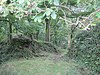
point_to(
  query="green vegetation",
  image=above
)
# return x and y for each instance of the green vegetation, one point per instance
(86, 47)
(40, 66)
(49, 37)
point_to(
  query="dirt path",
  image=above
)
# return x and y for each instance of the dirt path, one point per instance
(59, 57)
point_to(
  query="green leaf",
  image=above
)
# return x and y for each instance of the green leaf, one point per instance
(53, 15)
(21, 1)
(48, 17)
(98, 14)
(6, 12)
(35, 19)
(48, 11)
(38, 19)
(50, 1)
(56, 2)
(78, 1)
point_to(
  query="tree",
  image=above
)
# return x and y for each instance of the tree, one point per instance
(72, 12)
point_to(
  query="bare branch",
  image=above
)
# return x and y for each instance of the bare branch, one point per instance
(65, 7)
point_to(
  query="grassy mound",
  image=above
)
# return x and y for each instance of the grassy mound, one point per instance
(23, 47)
(40, 66)
(86, 47)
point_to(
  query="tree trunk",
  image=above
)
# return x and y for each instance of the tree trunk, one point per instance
(47, 35)
(10, 32)
(37, 34)
(69, 36)
(69, 40)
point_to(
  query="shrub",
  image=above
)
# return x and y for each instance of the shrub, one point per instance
(86, 47)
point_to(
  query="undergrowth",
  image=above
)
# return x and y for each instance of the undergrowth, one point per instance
(86, 47)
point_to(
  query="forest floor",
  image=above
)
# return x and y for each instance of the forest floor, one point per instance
(49, 64)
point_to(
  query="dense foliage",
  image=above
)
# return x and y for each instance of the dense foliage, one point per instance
(86, 47)
(23, 47)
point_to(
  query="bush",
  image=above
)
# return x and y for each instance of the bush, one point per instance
(86, 47)
(22, 47)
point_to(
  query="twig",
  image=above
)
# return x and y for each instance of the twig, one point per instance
(64, 7)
